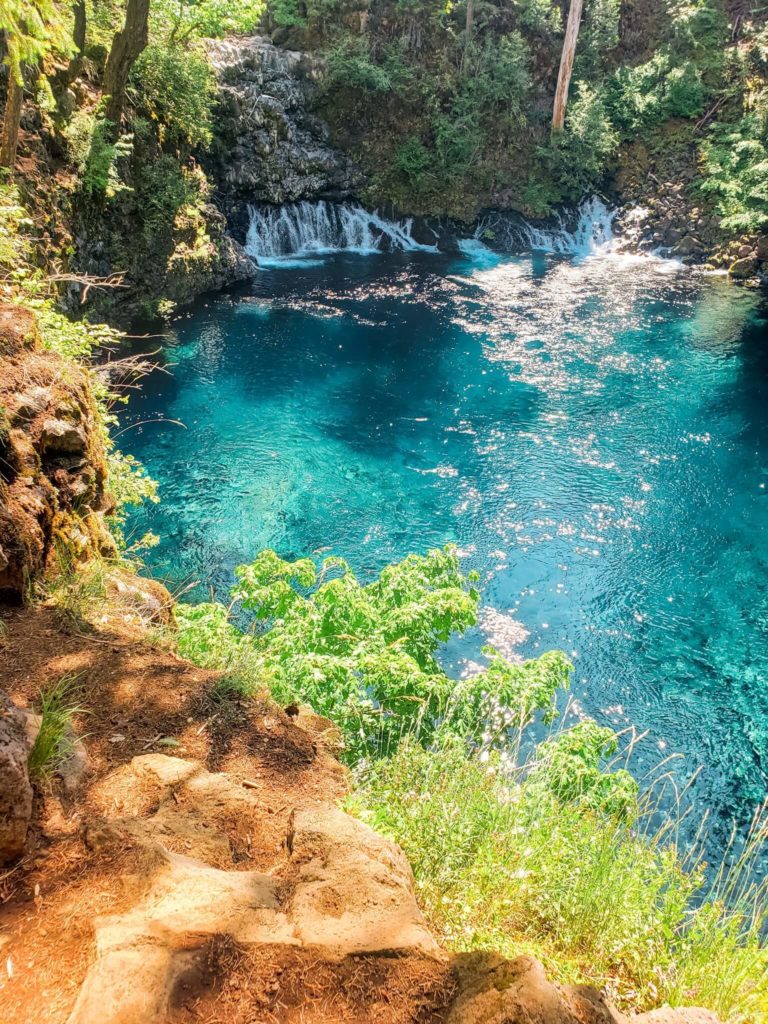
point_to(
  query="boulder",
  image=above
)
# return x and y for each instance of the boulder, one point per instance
(62, 437)
(15, 789)
(743, 268)
(493, 990)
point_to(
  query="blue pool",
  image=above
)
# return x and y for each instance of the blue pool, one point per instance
(591, 432)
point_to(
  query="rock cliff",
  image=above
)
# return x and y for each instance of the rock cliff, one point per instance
(52, 462)
(270, 146)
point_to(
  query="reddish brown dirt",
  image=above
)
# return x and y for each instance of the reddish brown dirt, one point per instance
(227, 985)
(136, 700)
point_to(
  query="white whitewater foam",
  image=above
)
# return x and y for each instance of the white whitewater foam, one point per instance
(589, 233)
(290, 235)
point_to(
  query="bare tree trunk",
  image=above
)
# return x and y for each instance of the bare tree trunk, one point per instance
(470, 20)
(9, 140)
(126, 47)
(566, 64)
(64, 78)
(78, 37)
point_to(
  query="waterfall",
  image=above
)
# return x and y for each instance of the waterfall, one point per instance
(299, 234)
(294, 233)
(585, 231)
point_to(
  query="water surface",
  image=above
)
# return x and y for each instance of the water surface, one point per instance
(593, 433)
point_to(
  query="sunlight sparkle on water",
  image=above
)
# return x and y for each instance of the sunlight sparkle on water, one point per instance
(593, 434)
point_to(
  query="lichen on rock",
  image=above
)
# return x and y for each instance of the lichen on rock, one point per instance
(53, 470)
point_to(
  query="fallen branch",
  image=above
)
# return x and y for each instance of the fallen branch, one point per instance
(88, 281)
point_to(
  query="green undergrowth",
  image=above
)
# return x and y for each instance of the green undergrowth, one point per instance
(518, 843)
(55, 738)
(79, 343)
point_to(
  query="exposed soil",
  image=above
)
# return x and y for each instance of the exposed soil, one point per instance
(136, 700)
(201, 872)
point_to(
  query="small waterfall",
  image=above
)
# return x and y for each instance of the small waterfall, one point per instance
(294, 233)
(583, 232)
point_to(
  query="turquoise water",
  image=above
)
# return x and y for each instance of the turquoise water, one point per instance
(593, 433)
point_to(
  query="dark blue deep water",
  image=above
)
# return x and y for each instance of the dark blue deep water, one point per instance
(593, 433)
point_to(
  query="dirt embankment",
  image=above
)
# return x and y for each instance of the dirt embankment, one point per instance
(201, 870)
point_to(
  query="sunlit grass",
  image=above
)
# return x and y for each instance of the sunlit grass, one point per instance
(55, 739)
(500, 864)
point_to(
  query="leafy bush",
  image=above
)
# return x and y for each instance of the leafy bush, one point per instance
(641, 97)
(414, 160)
(735, 167)
(15, 241)
(542, 16)
(349, 66)
(576, 159)
(179, 21)
(175, 87)
(94, 151)
(288, 13)
(365, 655)
(163, 188)
(565, 864)
(598, 36)
(498, 80)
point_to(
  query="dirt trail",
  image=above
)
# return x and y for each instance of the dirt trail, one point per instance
(202, 871)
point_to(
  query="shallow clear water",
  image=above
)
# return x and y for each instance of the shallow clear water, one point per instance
(593, 433)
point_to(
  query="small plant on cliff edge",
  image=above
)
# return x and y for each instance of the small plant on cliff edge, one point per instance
(557, 857)
(55, 739)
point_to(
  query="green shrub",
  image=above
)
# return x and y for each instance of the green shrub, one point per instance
(414, 160)
(94, 151)
(598, 36)
(497, 81)
(177, 22)
(735, 169)
(174, 86)
(365, 655)
(163, 187)
(542, 16)
(349, 66)
(576, 160)
(567, 865)
(288, 13)
(640, 98)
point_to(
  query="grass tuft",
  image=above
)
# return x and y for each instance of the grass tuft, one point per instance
(55, 739)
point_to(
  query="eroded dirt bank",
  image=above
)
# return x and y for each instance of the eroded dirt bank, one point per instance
(198, 867)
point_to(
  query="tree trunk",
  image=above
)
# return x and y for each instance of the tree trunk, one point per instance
(126, 47)
(63, 79)
(78, 34)
(470, 20)
(10, 135)
(566, 64)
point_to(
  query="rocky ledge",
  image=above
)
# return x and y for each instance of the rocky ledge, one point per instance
(222, 881)
(52, 463)
(270, 146)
